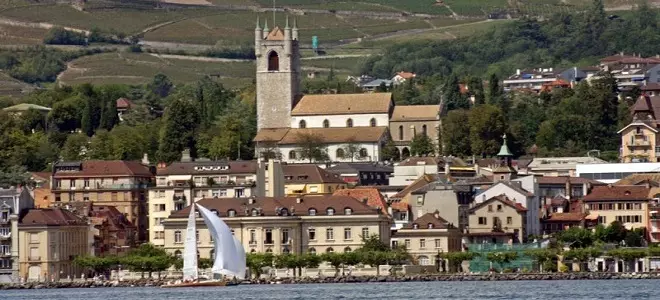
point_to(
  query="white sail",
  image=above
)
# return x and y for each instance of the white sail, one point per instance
(242, 257)
(227, 259)
(190, 248)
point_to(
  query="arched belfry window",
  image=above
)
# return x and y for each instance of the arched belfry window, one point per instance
(273, 61)
(302, 124)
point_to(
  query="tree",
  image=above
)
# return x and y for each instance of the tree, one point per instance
(615, 232)
(127, 143)
(101, 146)
(86, 122)
(256, 262)
(456, 133)
(334, 259)
(373, 243)
(375, 259)
(160, 85)
(627, 255)
(311, 147)
(456, 259)
(582, 255)
(541, 256)
(147, 258)
(422, 145)
(452, 95)
(352, 150)
(501, 258)
(487, 125)
(75, 148)
(109, 116)
(178, 130)
(61, 36)
(576, 237)
(495, 90)
(476, 89)
(389, 151)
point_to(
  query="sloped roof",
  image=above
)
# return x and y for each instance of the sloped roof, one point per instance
(426, 219)
(360, 167)
(276, 34)
(209, 167)
(340, 104)
(50, 217)
(637, 179)
(307, 173)
(564, 179)
(618, 193)
(503, 199)
(25, 107)
(106, 168)
(406, 75)
(270, 134)
(404, 113)
(124, 103)
(111, 216)
(417, 184)
(269, 206)
(566, 217)
(372, 197)
(336, 134)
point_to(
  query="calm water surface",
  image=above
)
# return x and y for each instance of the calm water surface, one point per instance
(588, 289)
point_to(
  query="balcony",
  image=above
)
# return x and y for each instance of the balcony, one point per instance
(639, 144)
(268, 242)
(655, 217)
(5, 236)
(122, 186)
(181, 198)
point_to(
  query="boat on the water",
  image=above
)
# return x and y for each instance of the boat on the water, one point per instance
(229, 261)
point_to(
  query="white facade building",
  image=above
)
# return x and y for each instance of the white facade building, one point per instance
(613, 172)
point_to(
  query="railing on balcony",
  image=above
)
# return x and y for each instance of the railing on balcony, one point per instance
(176, 198)
(4, 236)
(654, 216)
(269, 242)
(120, 186)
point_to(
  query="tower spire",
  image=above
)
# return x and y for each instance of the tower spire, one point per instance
(266, 26)
(286, 26)
(258, 25)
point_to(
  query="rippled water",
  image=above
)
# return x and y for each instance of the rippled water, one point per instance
(587, 289)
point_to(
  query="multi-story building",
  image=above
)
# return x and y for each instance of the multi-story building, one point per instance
(122, 184)
(560, 166)
(530, 80)
(40, 189)
(306, 224)
(497, 220)
(13, 202)
(628, 204)
(639, 139)
(310, 180)
(407, 121)
(410, 169)
(363, 174)
(182, 183)
(113, 233)
(428, 236)
(50, 239)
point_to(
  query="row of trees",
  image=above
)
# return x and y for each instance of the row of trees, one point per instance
(615, 233)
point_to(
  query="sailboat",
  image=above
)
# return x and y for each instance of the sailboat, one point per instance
(229, 260)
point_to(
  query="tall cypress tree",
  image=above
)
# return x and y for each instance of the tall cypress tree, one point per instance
(178, 130)
(86, 122)
(453, 97)
(495, 91)
(476, 89)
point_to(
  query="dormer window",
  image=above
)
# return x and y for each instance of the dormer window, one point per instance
(231, 213)
(284, 212)
(348, 211)
(430, 226)
(330, 211)
(312, 211)
(415, 226)
(255, 212)
(215, 212)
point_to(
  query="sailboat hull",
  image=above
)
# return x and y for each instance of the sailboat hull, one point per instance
(199, 284)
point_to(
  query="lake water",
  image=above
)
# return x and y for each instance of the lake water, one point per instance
(558, 290)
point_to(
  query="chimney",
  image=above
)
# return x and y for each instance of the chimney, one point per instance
(436, 214)
(299, 200)
(185, 155)
(518, 72)
(389, 210)
(251, 200)
(145, 159)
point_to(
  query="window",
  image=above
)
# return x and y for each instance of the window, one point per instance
(365, 232)
(330, 211)
(415, 226)
(292, 154)
(255, 212)
(302, 124)
(347, 234)
(483, 221)
(372, 122)
(253, 237)
(312, 211)
(312, 251)
(329, 250)
(407, 243)
(285, 236)
(159, 207)
(349, 123)
(177, 237)
(430, 226)
(499, 207)
(73, 183)
(509, 220)
(326, 123)
(238, 192)
(86, 183)
(231, 213)
(401, 132)
(363, 152)
(490, 208)
(348, 211)
(223, 193)
(424, 130)
(340, 153)
(269, 236)
(329, 234)
(311, 233)
(273, 61)
(438, 243)
(177, 253)
(347, 250)
(422, 243)
(424, 260)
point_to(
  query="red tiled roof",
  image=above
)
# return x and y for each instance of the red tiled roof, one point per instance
(372, 196)
(115, 219)
(566, 217)
(123, 103)
(618, 193)
(426, 219)
(653, 86)
(305, 173)
(406, 75)
(415, 185)
(41, 175)
(564, 179)
(100, 168)
(51, 217)
(269, 206)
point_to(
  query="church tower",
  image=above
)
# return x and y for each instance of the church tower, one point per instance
(278, 74)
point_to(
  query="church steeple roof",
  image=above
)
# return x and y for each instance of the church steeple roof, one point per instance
(276, 35)
(504, 150)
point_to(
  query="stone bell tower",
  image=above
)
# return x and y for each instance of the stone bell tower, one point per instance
(278, 74)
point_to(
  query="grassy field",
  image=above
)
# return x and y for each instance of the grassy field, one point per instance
(11, 87)
(131, 68)
(16, 35)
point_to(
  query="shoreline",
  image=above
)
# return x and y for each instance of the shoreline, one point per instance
(352, 279)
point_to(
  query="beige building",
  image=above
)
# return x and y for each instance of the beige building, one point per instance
(49, 240)
(497, 220)
(310, 180)
(118, 183)
(410, 120)
(628, 204)
(639, 140)
(427, 236)
(314, 224)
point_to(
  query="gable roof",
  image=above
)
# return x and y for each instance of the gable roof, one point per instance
(209, 167)
(415, 185)
(618, 193)
(307, 173)
(512, 186)
(637, 179)
(276, 34)
(564, 179)
(50, 217)
(336, 134)
(426, 219)
(371, 196)
(269, 206)
(566, 217)
(404, 113)
(341, 104)
(105, 168)
(124, 103)
(405, 75)
(503, 199)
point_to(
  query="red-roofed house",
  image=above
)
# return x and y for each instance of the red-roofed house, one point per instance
(402, 76)
(497, 220)
(426, 236)
(370, 196)
(628, 204)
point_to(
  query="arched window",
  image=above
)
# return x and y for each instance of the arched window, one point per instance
(253, 251)
(401, 132)
(363, 152)
(284, 212)
(348, 211)
(326, 123)
(312, 250)
(424, 260)
(215, 211)
(340, 153)
(292, 154)
(255, 212)
(329, 250)
(312, 211)
(372, 122)
(424, 130)
(349, 123)
(177, 253)
(347, 250)
(430, 225)
(303, 124)
(330, 211)
(273, 61)
(177, 237)
(269, 250)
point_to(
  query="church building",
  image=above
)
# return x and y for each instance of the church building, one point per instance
(351, 127)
